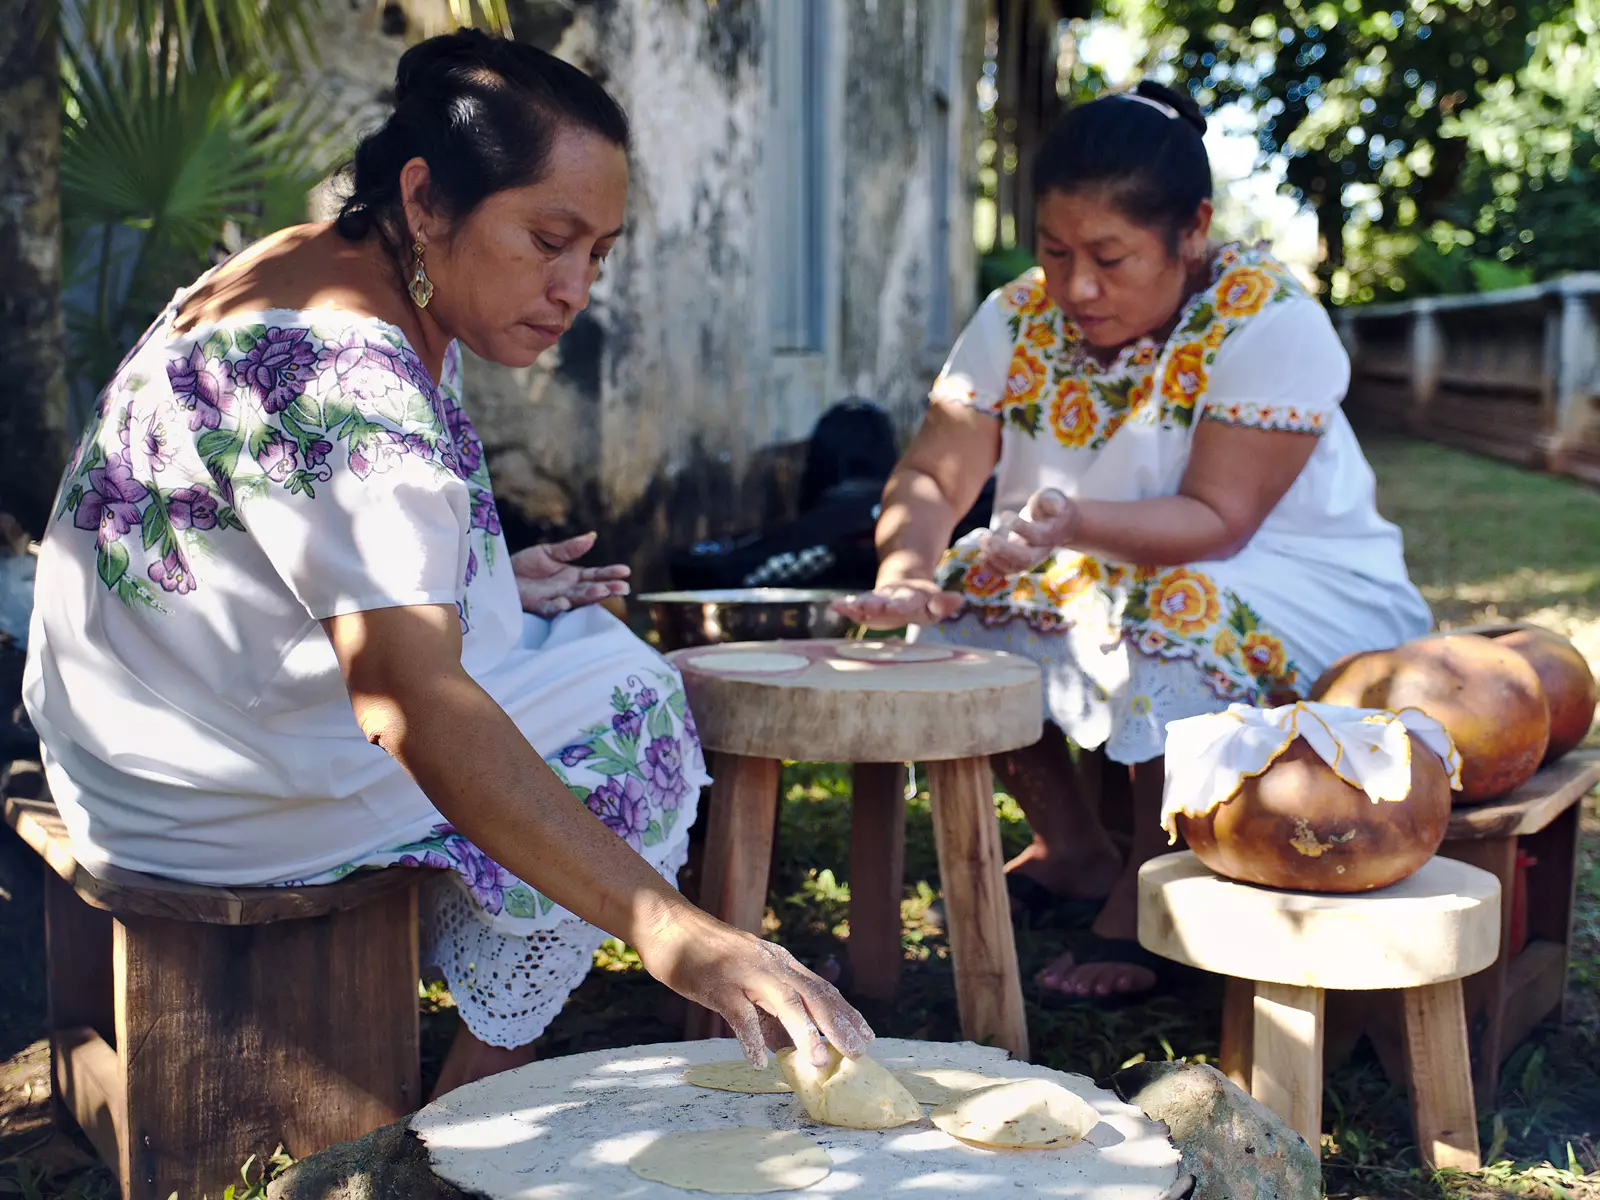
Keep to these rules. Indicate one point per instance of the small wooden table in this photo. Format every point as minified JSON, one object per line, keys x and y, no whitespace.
{"x":192,"y":1027}
{"x":1284,"y":950}
{"x":1506,"y":1001}
{"x":877,"y":705}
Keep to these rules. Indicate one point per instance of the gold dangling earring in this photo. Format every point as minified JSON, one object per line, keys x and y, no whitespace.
{"x":420,"y":287}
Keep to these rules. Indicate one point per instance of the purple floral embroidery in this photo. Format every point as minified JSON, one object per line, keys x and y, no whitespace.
{"x":201,"y":387}
{"x":172,"y":573}
{"x":647,"y":699}
{"x":571,"y":756}
{"x":620,"y":802}
{"x":192,"y":508}
{"x":472,"y":565}
{"x":484,"y":514}
{"x":487,"y":878}
{"x":469,"y":448}
{"x":663,"y":770}
{"x":317,"y":452}
{"x":430,"y":858}
{"x":629,"y":724}
{"x":277,"y":367}
{"x":112,"y":504}
{"x":277,"y":457}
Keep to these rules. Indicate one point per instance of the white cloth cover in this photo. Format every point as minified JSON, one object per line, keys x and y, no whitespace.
{"x":1209,"y":756}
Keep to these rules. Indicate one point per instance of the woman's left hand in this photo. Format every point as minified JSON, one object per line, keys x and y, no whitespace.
{"x":549,"y":583}
{"x":1021,"y":541}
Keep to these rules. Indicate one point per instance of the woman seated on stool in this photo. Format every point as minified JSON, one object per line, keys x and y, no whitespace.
{"x":278,"y":635}
{"x":1184,"y":518}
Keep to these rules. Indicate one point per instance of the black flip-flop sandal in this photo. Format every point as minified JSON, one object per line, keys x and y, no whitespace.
{"x":1126,"y":951}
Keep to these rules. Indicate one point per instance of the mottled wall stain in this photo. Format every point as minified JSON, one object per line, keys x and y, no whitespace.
{"x":656,"y":420}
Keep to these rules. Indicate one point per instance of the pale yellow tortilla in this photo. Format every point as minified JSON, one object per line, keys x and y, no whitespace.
{"x":749,"y":662}
{"x":733,"y":1162}
{"x":893,"y":652}
{"x":737,"y":1076}
{"x":856,"y":1093}
{"x":1029,"y":1114}
{"x":940,"y":1085}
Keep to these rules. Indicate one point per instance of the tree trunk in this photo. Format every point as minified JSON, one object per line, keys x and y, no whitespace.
{"x":32,"y":340}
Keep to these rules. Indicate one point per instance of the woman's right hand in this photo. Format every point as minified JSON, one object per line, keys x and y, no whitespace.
{"x":896,"y":605}
{"x":768,"y":999}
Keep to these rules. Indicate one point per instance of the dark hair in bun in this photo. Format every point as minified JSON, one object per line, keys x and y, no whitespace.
{"x":483,"y":113}
{"x":1145,"y":147}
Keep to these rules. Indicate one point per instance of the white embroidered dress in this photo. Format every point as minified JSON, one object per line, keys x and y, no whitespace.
{"x":1125,"y":649}
{"x":240,"y":482}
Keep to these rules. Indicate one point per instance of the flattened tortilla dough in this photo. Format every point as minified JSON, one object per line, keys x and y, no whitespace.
{"x":894,"y":652}
{"x":749,"y":662}
{"x":733,"y":1162}
{"x":1030,"y":1114}
{"x":737,"y":1076}
{"x":940,"y":1085}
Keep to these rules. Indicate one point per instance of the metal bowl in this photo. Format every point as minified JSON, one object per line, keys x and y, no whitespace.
{"x":682,"y":619}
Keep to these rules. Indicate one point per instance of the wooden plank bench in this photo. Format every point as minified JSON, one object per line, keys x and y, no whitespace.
{"x":1505,"y":1002}
{"x":191,"y":1027}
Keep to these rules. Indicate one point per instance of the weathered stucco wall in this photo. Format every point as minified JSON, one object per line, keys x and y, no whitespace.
{"x":660,"y":418}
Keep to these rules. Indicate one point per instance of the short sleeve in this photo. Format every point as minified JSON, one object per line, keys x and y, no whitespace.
{"x":1284,"y":369}
{"x":350,"y":488}
{"x":975,"y":373}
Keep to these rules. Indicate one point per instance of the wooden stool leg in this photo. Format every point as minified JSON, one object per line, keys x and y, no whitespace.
{"x":733,"y":886}
{"x":1485,"y":992}
{"x":234,"y":1039}
{"x":1441,"y":1081}
{"x":877,"y":877}
{"x":1552,"y":891}
{"x":1287,"y":1051}
{"x":977,"y":912}
{"x":1238,"y":1030}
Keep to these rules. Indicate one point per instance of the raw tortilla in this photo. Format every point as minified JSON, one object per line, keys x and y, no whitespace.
{"x":856,"y":1093}
{"x":893,"y":652}
{"x":736,"y":1076}
{"x":733,"y":1162}
{"x":940,"y":1085}
{"x":748,"y":662}
{"x":1029,"y":1114}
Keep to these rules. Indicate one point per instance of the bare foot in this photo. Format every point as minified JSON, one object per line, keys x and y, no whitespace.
{"x":1086,"y":874}
{"x":470,"y":1060}
{"x":1117,"y":921}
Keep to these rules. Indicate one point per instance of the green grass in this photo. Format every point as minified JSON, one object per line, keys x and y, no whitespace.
{"x":1483,"y":539}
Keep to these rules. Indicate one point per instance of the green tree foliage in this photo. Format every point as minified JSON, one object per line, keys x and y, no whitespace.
{"x":1372,"y":104}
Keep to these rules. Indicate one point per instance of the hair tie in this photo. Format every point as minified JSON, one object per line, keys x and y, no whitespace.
{"x":1164,"y":109}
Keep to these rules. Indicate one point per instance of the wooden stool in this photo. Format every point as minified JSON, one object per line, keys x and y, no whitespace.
{"x":878,"y":706}
{"x":1421,"y":935}
{"x":191,"y":1027}
{"x":1506,"y":1001}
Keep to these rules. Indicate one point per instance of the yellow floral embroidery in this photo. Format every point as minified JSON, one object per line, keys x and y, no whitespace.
{"x":1225,"y":643}
{"x":981,"y":582}
{"x":1186,"y":376}
{"x":1185,"y":602}
{"x":1072,"y":414}
{"x":1139,"y":706}
{"x":1214,"y":335}
{"x":1040,"y":335}
{"x":1067,"y":579}
{"x":1243,"y":291}
{"x":1264,"y":655}
{"x":1027,"y":378}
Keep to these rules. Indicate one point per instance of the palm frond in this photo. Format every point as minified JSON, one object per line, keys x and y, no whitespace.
{"x":234,"y":35}
{"x":429,"y":17}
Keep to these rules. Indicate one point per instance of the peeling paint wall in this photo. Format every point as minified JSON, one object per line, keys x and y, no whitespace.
{"x":663,"y":417}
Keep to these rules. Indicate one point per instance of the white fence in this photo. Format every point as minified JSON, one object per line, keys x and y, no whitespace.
{"x":1514,"y":374}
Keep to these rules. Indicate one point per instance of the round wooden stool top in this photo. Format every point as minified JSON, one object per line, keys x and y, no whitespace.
{"x":854,"y":701}
{"x":1439,"y":924}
